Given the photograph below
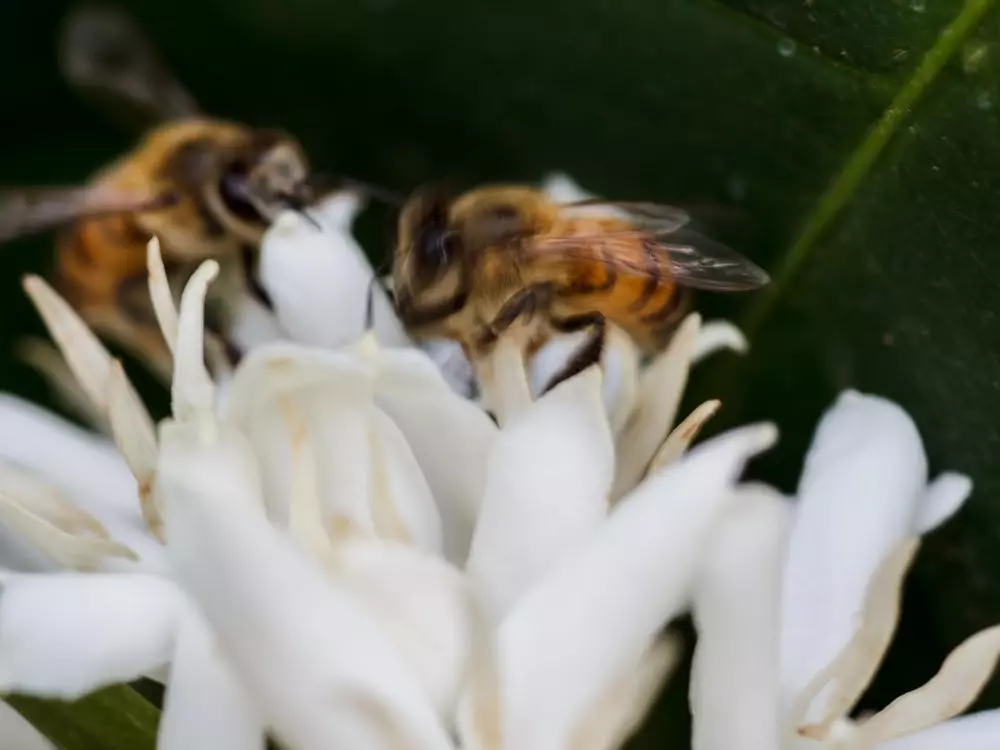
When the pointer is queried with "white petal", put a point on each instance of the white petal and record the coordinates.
(621, 377)
(861, 492)
(253, 325)
(17, 733)
(551, 358)
(319, 280)
(594, 614)
(424, 607)
(402, 504)
(67, 392)
(547, 491)
(161, 295)
(503, 379)
(41, 516)
(193, 392)
(831, 693)
(942, 499)
(453, 364)
(948, 693)
(660, 391)
(312, 660)
(978, 731)
(85, 355)
(278, 388)
(681, 437)
(718, 335)
(620, 360)
(85, 468)
(65, 635)
(621, 712)
(451, 439)
(205, 706)
(135, 436)
(737, 600)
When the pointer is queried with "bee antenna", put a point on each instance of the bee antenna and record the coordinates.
(378, 193)
(304, 213)
(370, 304)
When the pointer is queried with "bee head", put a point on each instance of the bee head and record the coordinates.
(269, 175)
(427, 245)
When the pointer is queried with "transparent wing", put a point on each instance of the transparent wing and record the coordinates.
(28, 210)
(689, 259)
(104, 51)
(700, 262)
(656, 218)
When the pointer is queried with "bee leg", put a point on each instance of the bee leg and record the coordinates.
(420, 317)
(524, 303)
(589, 353)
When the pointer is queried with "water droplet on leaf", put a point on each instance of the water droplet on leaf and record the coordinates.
(918, 6)
(786, 47)
(984, 100)
(974, 56)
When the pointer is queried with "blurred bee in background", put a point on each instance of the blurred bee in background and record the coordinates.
(207, 188)
(468, 267)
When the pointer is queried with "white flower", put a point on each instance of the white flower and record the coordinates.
(797, 604)
(331, 546)
(364, 473)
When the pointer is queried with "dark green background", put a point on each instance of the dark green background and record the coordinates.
(886, 258)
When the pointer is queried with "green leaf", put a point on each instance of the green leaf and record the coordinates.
(116, 718)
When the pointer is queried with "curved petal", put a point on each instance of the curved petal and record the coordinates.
(205, 706)
(737, 600)
(284, 393)
(594, 614)
(978, 731)
(860, 495)
(123, 626)
(619, 359)
(621, 712)
(160, 294)
(454, 365)
(42, 516)
(424, 607)
(319, 279)
(942, 499)
(952, 690)
(192, 392)
(67, 393)
(660, 389)
(312, 660)
(83, 467)
(547, 491)
(17, 733)
(450, 437)
(254, 325)
(718, 335)
(401, 499)
(830, 694)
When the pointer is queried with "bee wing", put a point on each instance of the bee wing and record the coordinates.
(29, 210)
(103, 50)
(656, 218)
(689, 259)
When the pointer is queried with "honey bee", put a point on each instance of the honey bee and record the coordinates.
(468, 267)
(207, 188)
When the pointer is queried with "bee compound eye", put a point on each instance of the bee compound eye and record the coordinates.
(437, 247)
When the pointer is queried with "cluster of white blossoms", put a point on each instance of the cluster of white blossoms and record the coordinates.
(330, 546)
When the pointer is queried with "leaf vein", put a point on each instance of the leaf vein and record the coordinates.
(861, 160)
